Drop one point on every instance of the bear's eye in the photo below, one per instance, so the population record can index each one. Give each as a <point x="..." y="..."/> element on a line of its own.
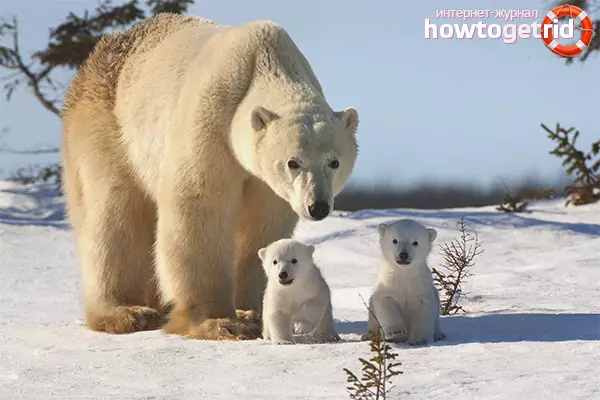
<point x="395" y="241"/>
<point x="293" y="164"/>
<point x="334" y="164"/>
<point x="294" y="261"/>
<point x="274" y="262"/>
<point x="415" y="243"/>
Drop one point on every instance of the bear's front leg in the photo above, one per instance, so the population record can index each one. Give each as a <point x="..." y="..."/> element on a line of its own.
<point x="422" y="321"/>
<point x="280" y="327"/>
<point x="317" y="319"/>
<point x="195" y="263"/>
<point x="388" y="313"/>
<point x="266" y="331"/>
<point x="264" y="218"/>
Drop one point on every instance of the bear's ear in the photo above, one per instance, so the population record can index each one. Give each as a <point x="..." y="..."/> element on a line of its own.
<point x="432" y="234"/>
<point x="381" y="229"/>
<point x="349" y="118"/>
<point x="262" y="253"/>
<point x="311" y="249"/>
<point x="260" y="118"/>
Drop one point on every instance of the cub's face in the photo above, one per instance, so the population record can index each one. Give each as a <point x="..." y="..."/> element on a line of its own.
<point x="405" y="242"/>
<point x="305" y="157"/>
<point x="286" y="261"/>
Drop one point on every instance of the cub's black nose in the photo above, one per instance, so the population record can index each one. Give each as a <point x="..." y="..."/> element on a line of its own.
<point x="403" y="256"/>
<point x="319" y="210"/>
<point x="283" y="275"/>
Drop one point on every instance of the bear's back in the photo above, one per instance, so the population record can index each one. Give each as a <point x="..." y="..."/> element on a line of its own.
<point x="98" y="78"/>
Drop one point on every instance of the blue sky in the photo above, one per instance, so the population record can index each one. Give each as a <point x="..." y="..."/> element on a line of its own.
<point x="431" y="110"/>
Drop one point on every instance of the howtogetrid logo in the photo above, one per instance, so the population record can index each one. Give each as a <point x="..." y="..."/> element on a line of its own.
<point x="573" y="12"/>
<point x="549" y="31"/>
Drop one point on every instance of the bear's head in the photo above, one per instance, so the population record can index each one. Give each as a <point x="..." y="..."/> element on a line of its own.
<point x="287" y="260"/>
<point x="405" y="242"/>
<point x="305" y="156"/>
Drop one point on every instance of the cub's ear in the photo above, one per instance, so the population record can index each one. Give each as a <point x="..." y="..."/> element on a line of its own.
<point x="381" y="229"/>
<point x="311" y="249"/>
<point x="349" y="118"/>
<point x="432" y="234"/>
<point x="262" y="253"/>
<point x="261" y="117"/>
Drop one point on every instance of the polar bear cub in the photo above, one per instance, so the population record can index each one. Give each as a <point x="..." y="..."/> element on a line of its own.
<point x="404" y="300"/>
<point x="296" y="294"/>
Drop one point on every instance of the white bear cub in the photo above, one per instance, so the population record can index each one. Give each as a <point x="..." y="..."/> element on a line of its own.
<point x="404" y="299"/>
<point x="296" y="294"/>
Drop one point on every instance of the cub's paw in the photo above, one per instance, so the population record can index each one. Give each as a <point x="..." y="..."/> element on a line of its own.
<point x="326" y="338"/>
<point x="282" y="342"/>
<point x="335" y="338"/>
<point x="396" y="335"/>
<point x="417" y="342"/>
<point x="301" y="328"/>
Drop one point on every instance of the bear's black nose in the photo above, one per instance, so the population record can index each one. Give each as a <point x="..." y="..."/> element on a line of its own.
<point x="319" y="210"/>
<point x="403" y="256"/>
<point x="283" y="275"/>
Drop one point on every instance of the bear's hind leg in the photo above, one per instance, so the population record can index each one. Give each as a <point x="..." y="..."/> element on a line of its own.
<point x="116" y="244"/>
<point x="112" y="218"/>
<point x="264" y="218"/>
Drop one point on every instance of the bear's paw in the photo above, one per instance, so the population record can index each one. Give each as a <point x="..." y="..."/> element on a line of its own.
<point x="125" y="319"/>
<point x="246" y="326"/>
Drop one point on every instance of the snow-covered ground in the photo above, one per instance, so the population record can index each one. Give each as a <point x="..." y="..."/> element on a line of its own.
<point x="532" y="331"/>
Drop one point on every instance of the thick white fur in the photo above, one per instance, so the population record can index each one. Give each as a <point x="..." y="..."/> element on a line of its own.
<point x="404" y="300"/>
<point x="305" y="302"/>
<point x="177" y="136"/>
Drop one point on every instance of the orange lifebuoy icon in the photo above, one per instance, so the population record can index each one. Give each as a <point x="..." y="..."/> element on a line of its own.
<point x="587" y="30"/>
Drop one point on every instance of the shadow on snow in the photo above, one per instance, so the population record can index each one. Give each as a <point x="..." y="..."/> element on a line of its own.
<point x="482" y="218"/>
<point x="46" y="207"/>
<point x="503" y="328"/>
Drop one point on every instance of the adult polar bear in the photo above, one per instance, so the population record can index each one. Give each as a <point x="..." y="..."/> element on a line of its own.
<point x="187" y="147"/>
